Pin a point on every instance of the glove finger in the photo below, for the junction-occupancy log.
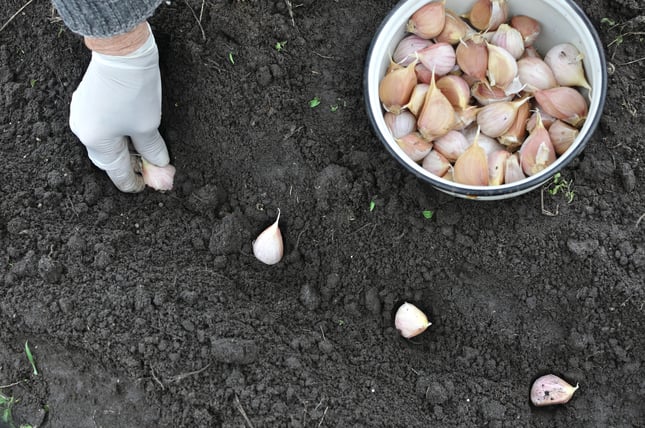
(152, 147)
(113, 157)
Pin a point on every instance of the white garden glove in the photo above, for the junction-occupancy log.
(120, 97)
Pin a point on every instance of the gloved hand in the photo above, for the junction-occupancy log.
(120, 97)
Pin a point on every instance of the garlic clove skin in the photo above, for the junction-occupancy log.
(537, 151)
(268, 246)
(417, 98)
(410, 321)
(486, 94)
(566, 62)
(497, 167)
(514, 137)
(550, 389)
(414, 146)
(396, 88)
(513, 171)
(400, 124)
(406, 50)
(564, 103)
(428, 21)
(158, 177)
(456, 89)
(502, 66)
(528, 27)
(562, 136)
(487, 15)
(436, 163)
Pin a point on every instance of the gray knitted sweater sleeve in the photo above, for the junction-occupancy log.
(104, 18)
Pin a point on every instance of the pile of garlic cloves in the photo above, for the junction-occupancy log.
(472, 101)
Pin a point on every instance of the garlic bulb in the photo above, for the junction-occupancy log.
(410, 320)
(268, 247)
(158, 177)
(550, 389)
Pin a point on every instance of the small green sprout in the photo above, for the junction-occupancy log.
(372, 205)
(561, 185)
(230, 58)
(315, 102)
(6, 403)
(341, 323)
(334, 107)
(30, 357)
(280, 45)
(608, 21)
(427, 214)
(33, 82)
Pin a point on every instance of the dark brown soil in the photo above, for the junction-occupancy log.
(150, 310)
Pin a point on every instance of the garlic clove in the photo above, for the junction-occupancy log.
(502, 66)
(562, 136)
(436, 163)
(268, 247)
(531, 52)
(396, 87)
(488, 14)
(566, 62)
(510, 39)
(414, 146)
(423, 74)
(472, 56)
(496, 167)
(417, 98)
(515, 135)
(528, 27)
(487, 143)
(437, 116)
(563, 103)
(410, 321)
(452, 145)
(472, 166)
(465, 117)
(406, 50)
(547, 119)
(486, 94)
(400, 124)
(513, 171)
(535, 74)
(456, 89)
(454, 29)
(537, 151)
(550, 389)
(439, 57)
(158, 177)
(497, 118)
(428, 21)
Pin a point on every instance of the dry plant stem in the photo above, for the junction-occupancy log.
(11, 384)
(290, 9)
(239, 407)
(198, 18)
(15, 14)
(640, 219)
(632, 62)
(544, 210)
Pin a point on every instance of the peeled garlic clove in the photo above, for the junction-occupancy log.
(472, 56)
(562, 136)
(528, 27)
(417, 98)
(406, 50)
(400, 124)
(472, 166)
(268, 247)
(428, 21)
(535, 74)
(502, 66)
(436, 163)
(437, 116)
(454, 29)
(563, 103)
(410, 321)
(488, 14)
(566, 62)
(158, 177)
(514, 137)
(513, 171)
(452, 145)
(496, 119)
(550, 389)
(396, 88)
(456, 90)
(537, 151)
(486, 94)
(439, 57)
(496, 167)
(510, 39)
(414, 146)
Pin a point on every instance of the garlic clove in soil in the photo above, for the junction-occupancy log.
(158, 177)
(268, 246)
(410, 321)
(550, 389)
